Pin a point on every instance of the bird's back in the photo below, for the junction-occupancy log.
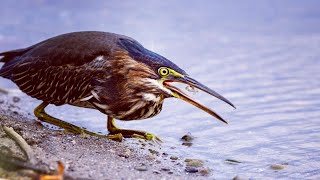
(57, 70)
(70, 48)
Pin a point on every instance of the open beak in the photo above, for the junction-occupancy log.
(193, 83)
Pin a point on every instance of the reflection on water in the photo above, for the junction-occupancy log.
(265, 62)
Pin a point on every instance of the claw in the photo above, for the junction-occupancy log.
(128, 133)
(146, 136)
(153, 138)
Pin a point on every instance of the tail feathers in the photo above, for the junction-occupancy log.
(6, 72)
(9, 55)
(8, 67)
(5, 58)
(10, 58)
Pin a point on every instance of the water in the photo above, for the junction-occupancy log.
(263, 56)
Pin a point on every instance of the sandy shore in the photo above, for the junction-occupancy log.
(90, 157)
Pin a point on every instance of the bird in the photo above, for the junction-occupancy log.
(109, 72)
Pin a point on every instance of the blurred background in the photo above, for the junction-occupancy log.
(264, 56)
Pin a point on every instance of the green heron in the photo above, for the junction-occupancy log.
(105, 71)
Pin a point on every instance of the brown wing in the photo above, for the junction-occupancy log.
(60, 70)
(55, 84)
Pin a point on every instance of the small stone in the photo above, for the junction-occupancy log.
(179, 164)
(188, 144)
(240, 178)
(152, 151)
(15, 99)
(277, 166)
(204, 171)
(191, 169)
(151, 158)
(126, 154)
(123, 156)
(188, 137)
(156, 172)
(194, 162)
(73, 142)
(141, 168)
(165, 169)
(174, 158)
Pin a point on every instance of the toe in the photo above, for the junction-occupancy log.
(153, 138)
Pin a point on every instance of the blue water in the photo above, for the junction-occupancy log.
(262, 55)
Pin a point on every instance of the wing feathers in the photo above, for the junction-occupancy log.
(56, 85)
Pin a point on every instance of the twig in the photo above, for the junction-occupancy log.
(20, 141)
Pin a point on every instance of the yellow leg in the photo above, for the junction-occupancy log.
(41, 114)
(128, 133)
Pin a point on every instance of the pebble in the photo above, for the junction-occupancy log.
(156, 172)
(15, 99)
(277, 166)
(174, 158)
(204, 171)
(73, 142)
(240, 178)
(191, 169)
(158, 161)
(165, 169)
(151, 158)
(165, 154)
(194, 162)
(141, 168)
(152, 151)
(188, 137)
(179, 164)
(126, 154)
(188, 144)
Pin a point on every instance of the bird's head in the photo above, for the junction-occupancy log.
(165, 74)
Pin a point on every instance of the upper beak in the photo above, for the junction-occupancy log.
(189, 81)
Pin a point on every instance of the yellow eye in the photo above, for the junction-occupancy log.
(163, 71)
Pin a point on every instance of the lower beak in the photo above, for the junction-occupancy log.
(193, 83)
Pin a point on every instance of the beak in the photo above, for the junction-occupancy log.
(193, 83)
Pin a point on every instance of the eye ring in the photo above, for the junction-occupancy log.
(163, 71)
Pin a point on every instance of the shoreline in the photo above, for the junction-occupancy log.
(90, 157)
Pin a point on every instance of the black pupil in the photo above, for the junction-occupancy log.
(164, 71)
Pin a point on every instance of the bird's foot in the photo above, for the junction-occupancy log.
(128, 133)
(116, 137)
(44, 117)
(148, 137)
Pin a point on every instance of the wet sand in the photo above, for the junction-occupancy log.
(90, 157)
